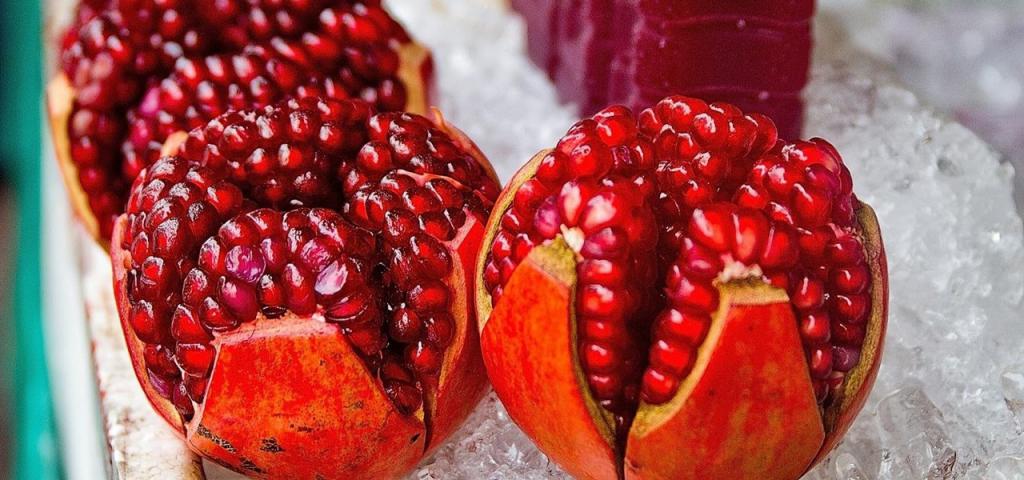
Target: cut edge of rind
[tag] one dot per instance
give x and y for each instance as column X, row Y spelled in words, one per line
column 60, row 102
column 857, row 385
column 484, row 306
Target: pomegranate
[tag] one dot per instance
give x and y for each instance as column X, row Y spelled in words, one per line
column 682, row 280
column 293, row 287
column 134, row 72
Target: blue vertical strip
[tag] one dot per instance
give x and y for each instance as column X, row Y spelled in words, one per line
column 35, row 447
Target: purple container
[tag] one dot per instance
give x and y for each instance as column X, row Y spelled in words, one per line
column 754, row 54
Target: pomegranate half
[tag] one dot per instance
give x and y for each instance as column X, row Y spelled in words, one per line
column 680, row 294
column 135, row 72
column 293, row 286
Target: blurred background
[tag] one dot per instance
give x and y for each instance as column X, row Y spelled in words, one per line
column 27, row 445
column 964, row 57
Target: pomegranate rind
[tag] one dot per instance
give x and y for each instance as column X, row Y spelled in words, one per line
column 484, row 305
column 60, row 101
column 290, row 398
column 463, row 380
column 850, row 399
column 120, row 260
column 746, row 410
column 463, row 141
column 416, row 72
column 529, row 349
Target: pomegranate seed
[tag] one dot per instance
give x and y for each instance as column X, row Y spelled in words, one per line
column 672, row 359
column 423, row 357
column 808, row 294
column 194, row 358
column 658, row 387
column 815, row 328
column 186, row 328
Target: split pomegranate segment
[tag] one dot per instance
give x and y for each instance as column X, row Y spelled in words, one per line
column 658, row 213
column 142, row 70
column 310, row 211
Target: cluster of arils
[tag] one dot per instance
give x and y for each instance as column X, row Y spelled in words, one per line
column 141, row 70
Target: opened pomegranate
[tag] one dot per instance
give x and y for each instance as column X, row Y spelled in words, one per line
column 681, row 294
column 293, row 287
column 133, row 72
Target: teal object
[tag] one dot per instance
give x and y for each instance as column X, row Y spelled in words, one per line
column 36, row 454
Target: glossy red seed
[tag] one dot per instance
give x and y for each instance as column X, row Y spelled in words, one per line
column 815, row 327
column 672, row 358
column 428, row 296
column 847, row 334
column 845, row 250
column 186, row 328
column 600, row 301
column 194, row 358
column 694, row 294
column 405, row 325
column 406, row 396
column 808, row 294
column 713, row 227
column 751, row 229
column 240, row 299
column 439, row 329
column 820, row 362
column 147, row 323
column 844, row 358
column 160, row 361
column 849, row 280
column 598, row 358
column 352, row 309
column 423, row 357
column 658, row 387
column 852, row 308
column 780, row 249
column 683, row 325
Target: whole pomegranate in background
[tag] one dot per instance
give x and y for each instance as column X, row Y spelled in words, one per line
column 680, row 294
column 294, row 287
column 133, row 72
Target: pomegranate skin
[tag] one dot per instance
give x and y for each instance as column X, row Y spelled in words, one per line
column 547, row 385
column 749, row 404
column 755, row 55
column 753, row 392
column 858, row 385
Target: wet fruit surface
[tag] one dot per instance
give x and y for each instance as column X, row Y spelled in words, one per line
column 142, row 70
column 658, row 212
column 311, row 211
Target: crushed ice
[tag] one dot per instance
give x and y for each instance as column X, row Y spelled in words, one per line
column 948, row 402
